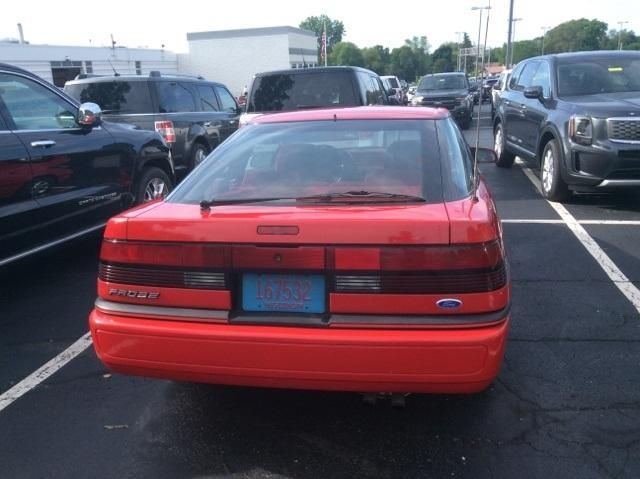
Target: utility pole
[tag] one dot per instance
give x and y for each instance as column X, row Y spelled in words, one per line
column 513, row 42
column 544, row 33
column 620, row 34
column 507, row 55
column 479, row 36
column 459, row 48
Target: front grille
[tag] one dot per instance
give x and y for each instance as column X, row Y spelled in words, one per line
column 446, row 102
column 168, row 278
column 449, row 282
column 624, row 130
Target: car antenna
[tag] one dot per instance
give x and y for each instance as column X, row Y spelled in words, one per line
column 115, row 73
column 476, row 179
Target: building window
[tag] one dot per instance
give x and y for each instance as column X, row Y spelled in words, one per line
column 138, row 68
column 88, row 66
column 293, row 65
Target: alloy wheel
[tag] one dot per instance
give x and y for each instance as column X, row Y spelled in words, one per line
column 497, row 147
column 199, row 156
column 155, row 188
column 547, row 170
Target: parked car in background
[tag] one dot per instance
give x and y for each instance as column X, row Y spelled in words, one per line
column 474, row 88
column 327, row 249
column 487, row 87
column 63, row 171
column 392, row 81
column 193, row 115
column 497, row 90
column 578, row 116
column 447, row 90
column 307, row 88
column 411, row 92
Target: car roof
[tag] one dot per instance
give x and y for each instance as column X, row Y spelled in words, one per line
column 302, row 71
column 445, row 74
column 356, row 113
column 8, row 67
column 165, row 77
column 589, row 54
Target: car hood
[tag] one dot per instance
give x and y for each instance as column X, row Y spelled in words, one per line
column 441, row 93
column 605, row 105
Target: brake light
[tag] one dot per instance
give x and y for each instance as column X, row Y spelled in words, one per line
column 194, row 255
column 165, row 128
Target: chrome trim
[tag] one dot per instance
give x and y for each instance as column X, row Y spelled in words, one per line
column 203, row 315
column 618, row 183
column 625, row 142
column 51, row 244
column 43, row 143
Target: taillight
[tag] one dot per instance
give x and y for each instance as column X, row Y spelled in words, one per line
column 165, row 128
column 193, row 255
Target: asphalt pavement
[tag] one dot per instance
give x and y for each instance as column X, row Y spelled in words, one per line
column 565, row 405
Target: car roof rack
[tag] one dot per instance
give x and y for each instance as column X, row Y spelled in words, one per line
column 156, row 73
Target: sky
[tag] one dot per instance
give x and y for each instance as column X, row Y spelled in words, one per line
column 153, row 24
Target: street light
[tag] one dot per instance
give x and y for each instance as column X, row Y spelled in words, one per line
column 459, row 47
column 620, row 34
column 513, row 41
column 479, row 33
column 544, row 32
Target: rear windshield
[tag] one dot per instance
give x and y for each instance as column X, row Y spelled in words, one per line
column 444, row 82
column 114, row 97
column 598, row 75
column 320, row 157
column 393, row 83
column 291, row 91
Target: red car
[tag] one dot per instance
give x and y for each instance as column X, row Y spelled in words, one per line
column 323, row 249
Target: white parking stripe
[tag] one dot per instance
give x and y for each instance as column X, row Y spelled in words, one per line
column 615, row 274
column 582, row 222
column 45, row 371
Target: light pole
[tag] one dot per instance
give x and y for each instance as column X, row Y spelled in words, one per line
column 513, row 41
column 459, row 47
column 479, row 34
column 507, row 55
column 544, row 32
column 620, row 34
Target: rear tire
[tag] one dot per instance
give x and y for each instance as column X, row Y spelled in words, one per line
column 154, row 183
column 465, row 123
column 552, row 185
column 505, row 158
column 198, row 153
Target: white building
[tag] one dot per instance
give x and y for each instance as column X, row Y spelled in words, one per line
column 58, row 64
column 233, row 57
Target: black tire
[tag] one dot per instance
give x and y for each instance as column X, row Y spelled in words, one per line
column 505, row 158
column 150, row 187
column 552, row 185
column 198, row 153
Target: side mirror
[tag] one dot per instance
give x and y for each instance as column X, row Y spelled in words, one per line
column 89, row 114
column 485, row 155
column 534, row 92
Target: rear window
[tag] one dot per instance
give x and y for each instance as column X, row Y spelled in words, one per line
column 291, row 91
column 115, row 96
column 393, row 82
column 320, row 157
column 590, row 76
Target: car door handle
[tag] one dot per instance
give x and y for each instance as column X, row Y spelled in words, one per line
column 43, row 143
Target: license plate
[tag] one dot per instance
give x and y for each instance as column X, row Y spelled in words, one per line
column 293, row 293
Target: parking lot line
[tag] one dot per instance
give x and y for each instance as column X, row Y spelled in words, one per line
column 610, row 268
column 582, row 222
column 44, row 371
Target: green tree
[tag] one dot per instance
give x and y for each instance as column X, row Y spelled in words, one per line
column 444, row 59
column 335, row 30
column 346, row 53
column 628, row 38
column 377, row 59
column 526, row 49
column 406, row 63
column 575, row 36
column 466, row 41
column 418, row 44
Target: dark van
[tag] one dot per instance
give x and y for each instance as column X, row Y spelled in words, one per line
column 305, row 88
column 192, row 114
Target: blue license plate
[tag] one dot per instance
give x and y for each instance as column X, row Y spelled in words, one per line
column 292, row 293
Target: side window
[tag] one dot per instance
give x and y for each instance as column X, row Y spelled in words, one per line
column 227, row 102
column 513, row 81
column 542, row 78
column 524, row 80
column 32, row 106
column 208, row 101
column 459, row 161
column 377, row 97
column 175, row 97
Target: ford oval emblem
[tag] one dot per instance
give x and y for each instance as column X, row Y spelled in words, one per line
column 449, row 303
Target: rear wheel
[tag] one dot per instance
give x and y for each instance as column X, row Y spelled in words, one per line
column 554, row 187
column 505, row 158
column 465, row 123
column 154, row 183
column 198, row 153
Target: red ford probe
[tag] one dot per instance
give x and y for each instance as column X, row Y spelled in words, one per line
column 326, row 249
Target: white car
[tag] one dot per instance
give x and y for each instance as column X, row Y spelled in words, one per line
column 391, row 81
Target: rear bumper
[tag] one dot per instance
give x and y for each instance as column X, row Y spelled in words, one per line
column 362, row 360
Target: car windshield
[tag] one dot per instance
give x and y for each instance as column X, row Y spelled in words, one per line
column 293, row 91
column 301, row 159
column 591, row 76
column 444, row 82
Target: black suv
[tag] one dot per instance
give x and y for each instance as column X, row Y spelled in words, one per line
column 193, row 115
column 322, row 87
column 64, row 172
column 450, row 91
column 578, row 116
